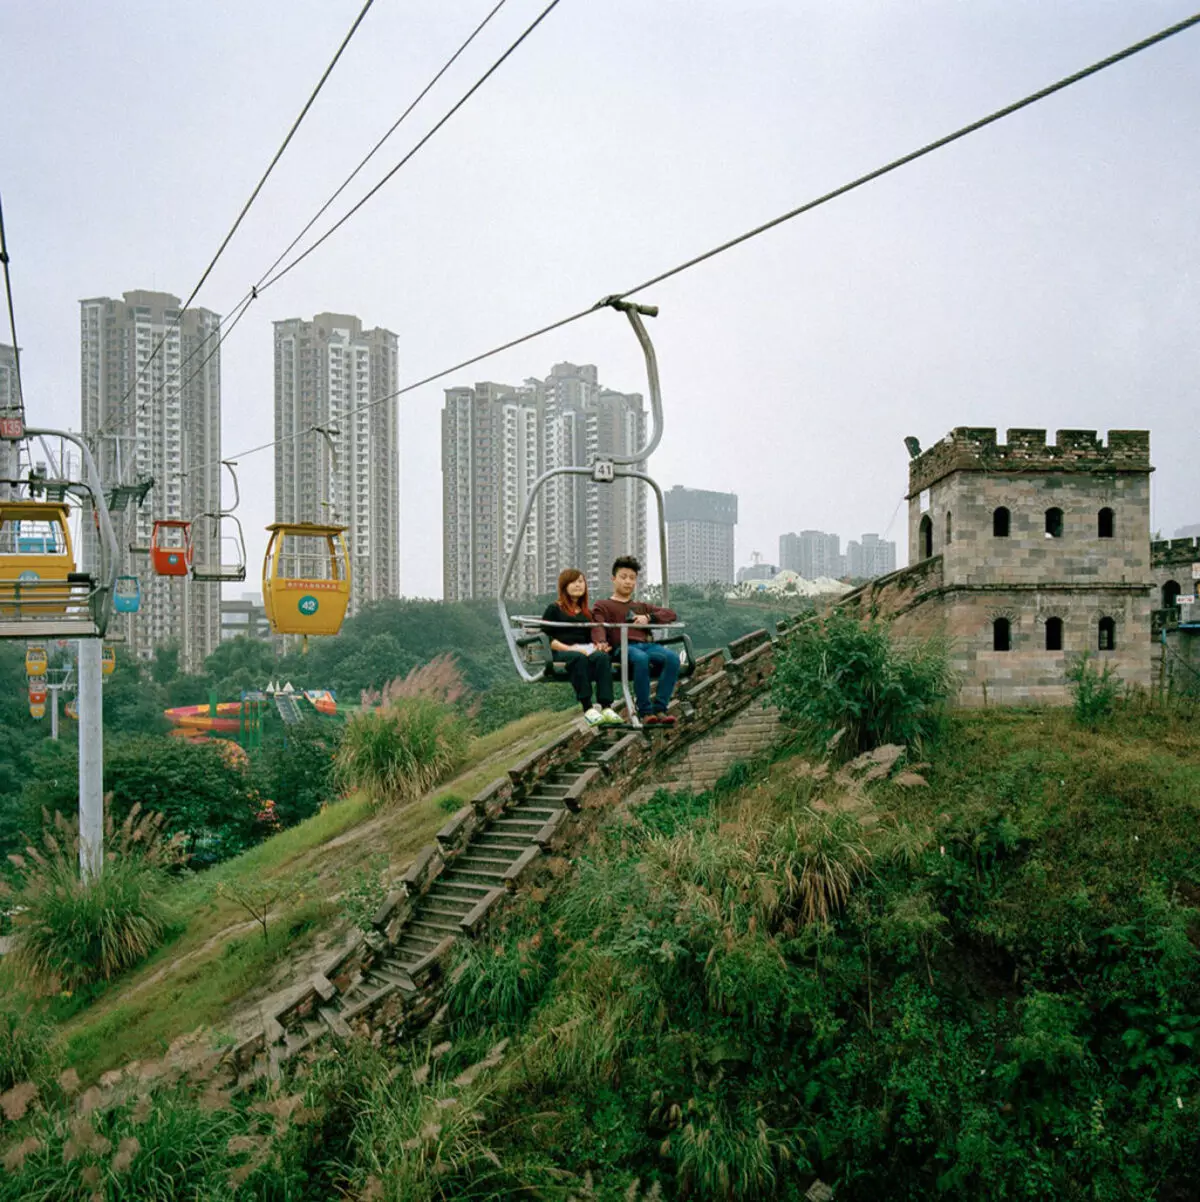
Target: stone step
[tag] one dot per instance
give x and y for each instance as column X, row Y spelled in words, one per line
column 444, row 909
column 335, row 1023
column 409, row 951
column 516, row 843
column 446, row 891
column 433, row 930
column 476, row 876
column 303, row 1034
column 391, row 971
column 536, row 806
column 517, row 826
column 427, row 941
column 487, row 858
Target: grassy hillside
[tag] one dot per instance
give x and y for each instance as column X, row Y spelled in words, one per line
column 975, row 979
column 218, row 963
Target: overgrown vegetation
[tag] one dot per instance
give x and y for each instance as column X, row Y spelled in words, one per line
column 844, row 683
column 71, row 932
column 973, row 978
column 1094, row 692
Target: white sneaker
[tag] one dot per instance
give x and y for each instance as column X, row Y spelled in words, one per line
column 610, row 717
column 593, row 717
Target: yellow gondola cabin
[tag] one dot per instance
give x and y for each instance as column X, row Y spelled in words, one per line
column 36, row 661
column 36, row 559
column 306, row 578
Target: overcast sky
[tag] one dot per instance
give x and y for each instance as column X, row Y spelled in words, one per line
column 1040, row 273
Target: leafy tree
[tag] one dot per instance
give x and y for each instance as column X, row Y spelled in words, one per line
column 296, row 769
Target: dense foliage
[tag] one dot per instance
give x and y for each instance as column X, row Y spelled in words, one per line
column 70, row 933
column 845, row 683
column 973, row 979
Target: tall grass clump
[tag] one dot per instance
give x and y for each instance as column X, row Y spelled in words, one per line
column 399, row 752
column 71, row 933
column 26, row 1038
column 1093, row 692
column 846, row 684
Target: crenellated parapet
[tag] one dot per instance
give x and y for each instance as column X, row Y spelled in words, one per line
column 977, row 449
column 1166, row 552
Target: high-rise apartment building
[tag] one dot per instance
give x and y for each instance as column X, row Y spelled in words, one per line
column 333, row 374
column 490, row 457
column 700, row 535
column 496, row 440
column 585, row 525
column 811, row 554
column 154, row 413
column 872, row 556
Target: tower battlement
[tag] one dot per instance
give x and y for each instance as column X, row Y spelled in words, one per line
column 976, row 449
column 1165, row 551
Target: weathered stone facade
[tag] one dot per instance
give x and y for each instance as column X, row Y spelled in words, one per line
column 1175, row 570
column 1024, row 554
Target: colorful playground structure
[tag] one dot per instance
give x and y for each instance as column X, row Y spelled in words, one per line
column 244, row 719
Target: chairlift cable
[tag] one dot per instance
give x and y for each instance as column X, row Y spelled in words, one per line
column 808, row 206
column 252, row 295
column 444, row 119
column 12, row 318
column 246, row 207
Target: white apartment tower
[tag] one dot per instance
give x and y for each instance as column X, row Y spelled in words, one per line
column 157, row 416
column 496, row 440
column 490, row 458
column 332, row 374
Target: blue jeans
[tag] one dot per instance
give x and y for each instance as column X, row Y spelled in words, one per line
column 641, row 657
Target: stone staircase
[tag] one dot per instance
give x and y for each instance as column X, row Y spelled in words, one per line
column 414, row 931
column 390, row 978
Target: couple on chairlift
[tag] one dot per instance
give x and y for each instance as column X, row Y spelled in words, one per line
column 587, row 654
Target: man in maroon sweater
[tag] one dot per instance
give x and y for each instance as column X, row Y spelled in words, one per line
column 643, row 651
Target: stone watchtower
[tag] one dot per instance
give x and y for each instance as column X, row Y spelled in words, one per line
column 1025, row 553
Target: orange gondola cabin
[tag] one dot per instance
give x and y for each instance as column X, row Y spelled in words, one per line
column 171, row 547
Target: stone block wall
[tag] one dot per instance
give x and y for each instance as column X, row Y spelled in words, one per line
column 749, row 733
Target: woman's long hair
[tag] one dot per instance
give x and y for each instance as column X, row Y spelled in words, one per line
column 568, row 604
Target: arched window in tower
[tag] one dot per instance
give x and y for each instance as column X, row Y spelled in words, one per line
column 1170, row 594
column 1000, row 522
column 1054, row 631
column 1001, row 635
column 925, row 538
column 949, row 527
column 1106, row 523
column 1108, row 634
column 1054, row 522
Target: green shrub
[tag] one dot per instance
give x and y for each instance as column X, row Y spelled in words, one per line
column 1095, row 693
column 845, row 684
column 399, row 752
column 70, row 933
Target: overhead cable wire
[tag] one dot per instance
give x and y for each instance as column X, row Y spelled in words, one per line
column 251, row 296
column 12, row 317
column 278, row 275
column 246, row 207
column 808, row 206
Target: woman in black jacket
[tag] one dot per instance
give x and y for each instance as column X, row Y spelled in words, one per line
column 586, row 663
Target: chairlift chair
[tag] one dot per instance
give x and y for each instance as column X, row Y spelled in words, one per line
column 230, row 565
column 306, row 578
column 528, row 641
column 171, row 547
